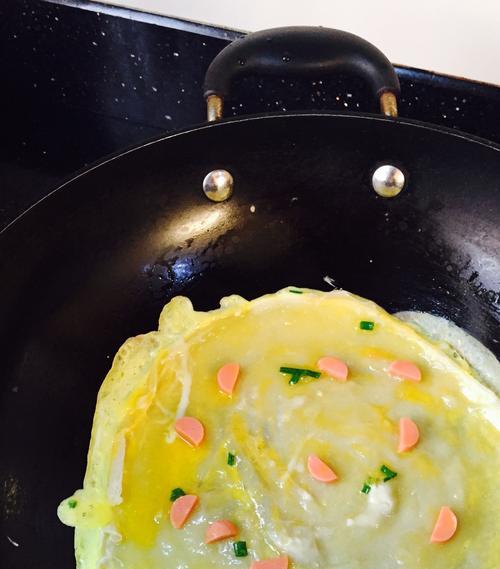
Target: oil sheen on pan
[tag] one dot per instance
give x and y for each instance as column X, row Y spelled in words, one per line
column 302, row 429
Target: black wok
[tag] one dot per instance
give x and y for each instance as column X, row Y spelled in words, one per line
column 95, row 261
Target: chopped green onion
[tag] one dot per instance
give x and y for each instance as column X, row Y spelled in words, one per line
column 298, row 373
column 240, row 548
column 231, row 459
column 302, row 371
column 366, row 488
column 176, row 493
column 387, row 472
column 72, row 504
column 295, row 291
column 366, row 325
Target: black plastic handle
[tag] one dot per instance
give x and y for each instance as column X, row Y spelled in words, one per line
column 301, row 50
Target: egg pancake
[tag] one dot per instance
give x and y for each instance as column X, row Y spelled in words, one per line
column 302, row 429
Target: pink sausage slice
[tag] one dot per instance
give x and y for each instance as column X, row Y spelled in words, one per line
column 181, row 509
column 405, row 370
column 445, row 527
column 221, row 529
column 227, row 376
column 276, row 563
column 190, row 430
column 319, row 469
column 334, row 367
column 408, row 434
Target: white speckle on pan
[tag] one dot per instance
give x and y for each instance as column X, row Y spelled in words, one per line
column 94, row 43
column 123, row 84
column 103, row 34
column 132, row 55
column 168, row 117
column 14, row 543
column 252, row 208
column 330, row 281
column 176, row 54
column 155, row 89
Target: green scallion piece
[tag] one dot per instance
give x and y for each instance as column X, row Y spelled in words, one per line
column 72, row 504
column 298, row 373
column 366, row 488
column 176, row 493
column 231, row 459
column 295, row 291
column 302, row 371
column 240, row 548
column 388, row 473
column 366, row 325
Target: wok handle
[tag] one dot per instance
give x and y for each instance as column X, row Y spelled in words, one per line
column 298, row 51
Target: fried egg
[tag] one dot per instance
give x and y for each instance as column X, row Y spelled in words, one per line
column 302, row 429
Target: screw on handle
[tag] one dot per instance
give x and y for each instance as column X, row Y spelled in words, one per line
column 301, row 51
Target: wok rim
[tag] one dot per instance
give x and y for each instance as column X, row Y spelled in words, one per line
column 123, row 152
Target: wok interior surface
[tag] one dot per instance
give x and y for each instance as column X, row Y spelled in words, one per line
column 95, row 262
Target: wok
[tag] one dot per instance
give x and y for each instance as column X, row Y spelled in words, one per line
column 94, row 262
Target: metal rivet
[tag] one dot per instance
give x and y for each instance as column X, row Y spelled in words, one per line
column 218, row 185
column 388, row 181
